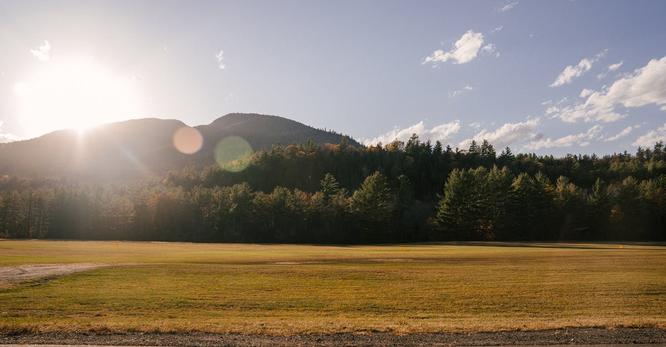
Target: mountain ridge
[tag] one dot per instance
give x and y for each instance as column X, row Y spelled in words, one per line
column 143, row 147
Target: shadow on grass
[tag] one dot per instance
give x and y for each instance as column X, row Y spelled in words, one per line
column 554, row 244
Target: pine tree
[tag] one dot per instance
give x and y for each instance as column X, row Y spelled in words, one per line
column 598, row 208
column 474, row 148
column 458, row 209
column 531, row 208
column 506, row 157
column 373, row 204
column 329, row 186
column 570, row 202
column 628, row 210
column 494, row 203
column 487, row 152
column 437, row 149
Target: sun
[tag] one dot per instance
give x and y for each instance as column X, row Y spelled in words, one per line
column 76, row 93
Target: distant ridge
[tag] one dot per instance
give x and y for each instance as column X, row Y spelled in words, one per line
column 142, row 148
column 263, row 131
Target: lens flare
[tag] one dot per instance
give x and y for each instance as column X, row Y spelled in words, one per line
column 233, row 153
column 187, row 140
column 74, row 93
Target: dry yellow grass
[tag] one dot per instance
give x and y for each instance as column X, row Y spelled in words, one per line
column 282, row 289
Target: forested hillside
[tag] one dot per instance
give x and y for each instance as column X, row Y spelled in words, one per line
column 143, row 148
column 401, row 192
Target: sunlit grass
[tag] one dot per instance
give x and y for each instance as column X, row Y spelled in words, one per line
column 299, row 288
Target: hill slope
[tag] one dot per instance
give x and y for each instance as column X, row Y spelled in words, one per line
column 143, row 147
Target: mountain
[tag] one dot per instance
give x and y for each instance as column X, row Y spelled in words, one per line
column 263, row 131
column 143, row 148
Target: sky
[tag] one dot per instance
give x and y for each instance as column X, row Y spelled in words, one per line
column 550, row 77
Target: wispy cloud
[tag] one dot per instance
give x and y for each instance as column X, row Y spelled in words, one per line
column 497, row 29
column 645, row 86
column 509, row 6
column 586, row 92
column 580, row 139
column 42, row 52
column 490, row 49
column 652, row 137
column 626, row 131
column 611, row 68
column 457, row 92
column 442, row 132
column 507, row 134
column 220, row 59
column 463, row 51
column 573, row 71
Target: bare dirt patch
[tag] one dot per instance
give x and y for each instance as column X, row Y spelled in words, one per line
column 572, row 336
column 12, row 275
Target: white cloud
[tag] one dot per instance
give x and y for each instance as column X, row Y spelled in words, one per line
column 497, row 29
column 586, row 92
column 457, row 92
column 475, row 125
column 509, row 6
column 652, row 137
column 585, row 112
column 490, row 49
column 645, row 86
column 613, row 67
column 505, row 135
column 43, row 52
column 442, row 132
column 397, row 134
column 220, row 59
column 626, row 131
column 581, row 139
column 572, row 71
column 463, row 51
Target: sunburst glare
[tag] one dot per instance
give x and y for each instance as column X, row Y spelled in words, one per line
column 75, row 93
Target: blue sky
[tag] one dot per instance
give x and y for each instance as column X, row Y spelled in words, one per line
column 539, row 76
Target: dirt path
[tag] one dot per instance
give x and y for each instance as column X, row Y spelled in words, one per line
column 577, row 336
column 17, row 274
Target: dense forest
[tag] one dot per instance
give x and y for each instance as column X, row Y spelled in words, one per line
column 400, row 192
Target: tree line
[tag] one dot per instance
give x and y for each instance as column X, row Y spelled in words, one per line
column 401, row 192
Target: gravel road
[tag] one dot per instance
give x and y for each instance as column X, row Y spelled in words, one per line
column 576, row 336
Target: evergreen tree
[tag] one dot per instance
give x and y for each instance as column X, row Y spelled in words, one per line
column 531, row 208
column 487, row 153
column 459, row 207
column 494, row 204
column 570, row 201
column 329, row 186
column 627, row 215
column 597, row 211
column 373, row 205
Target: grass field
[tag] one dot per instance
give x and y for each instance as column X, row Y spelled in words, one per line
column 284, row 289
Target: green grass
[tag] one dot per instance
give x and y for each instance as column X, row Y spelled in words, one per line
column 281, row 289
